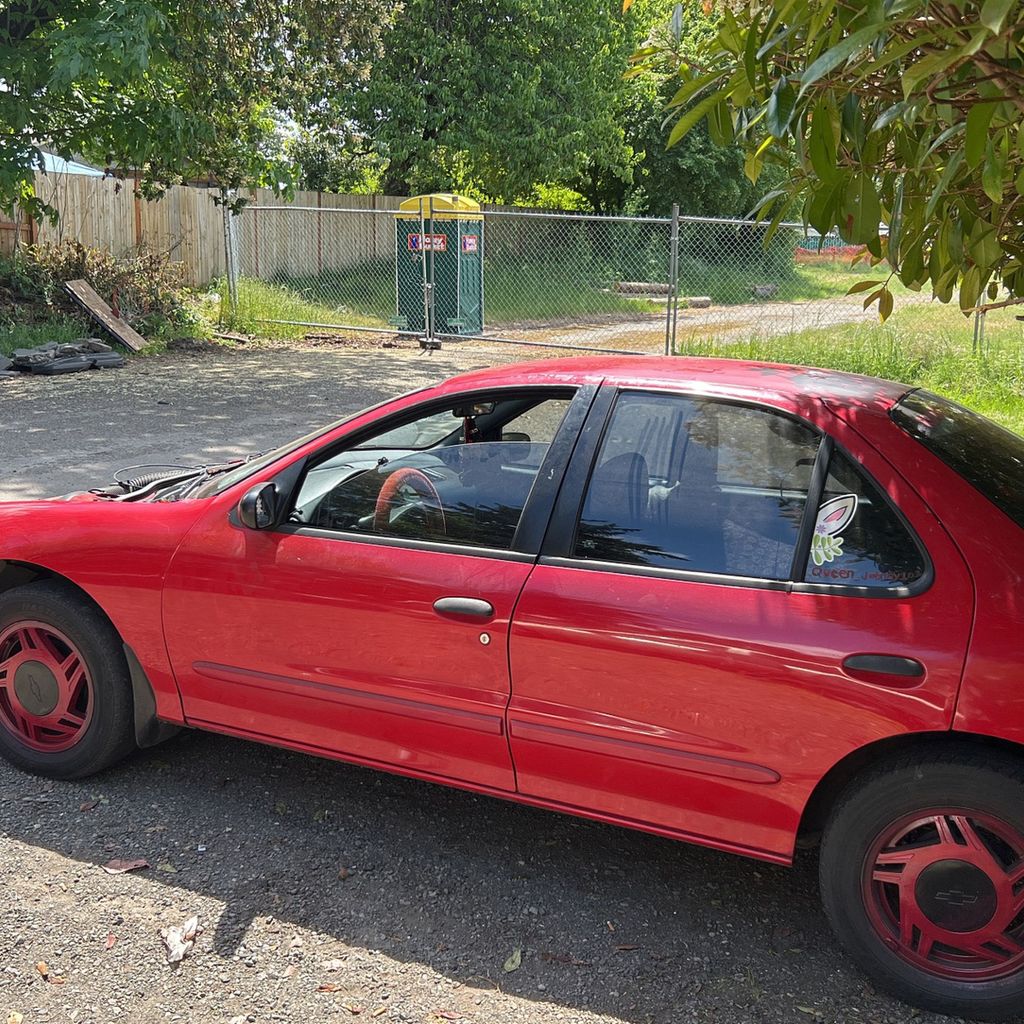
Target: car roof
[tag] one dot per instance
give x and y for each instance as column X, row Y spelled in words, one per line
column 738, row 377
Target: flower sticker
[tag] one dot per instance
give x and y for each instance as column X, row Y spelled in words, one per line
column 834, row 516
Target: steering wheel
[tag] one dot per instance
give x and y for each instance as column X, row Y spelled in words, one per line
column 421, row 484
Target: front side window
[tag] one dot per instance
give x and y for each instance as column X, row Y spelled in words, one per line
column 859, row 540
column 699, row 485
column 460, row 474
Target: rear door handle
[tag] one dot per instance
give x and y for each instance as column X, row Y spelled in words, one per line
column 904, row 670
column 463, row 608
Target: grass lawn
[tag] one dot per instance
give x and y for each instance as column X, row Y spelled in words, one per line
column 924, row 345
column 364, row 295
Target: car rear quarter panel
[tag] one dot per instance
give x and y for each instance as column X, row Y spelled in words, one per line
column 991, row 699
column 115, row 552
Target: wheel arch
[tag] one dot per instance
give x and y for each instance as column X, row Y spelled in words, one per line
column 149, row 730
column 836, row 780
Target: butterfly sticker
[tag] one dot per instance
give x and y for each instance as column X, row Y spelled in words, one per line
column 833, row 517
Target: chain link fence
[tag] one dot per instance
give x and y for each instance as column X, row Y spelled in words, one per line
column 550, row 280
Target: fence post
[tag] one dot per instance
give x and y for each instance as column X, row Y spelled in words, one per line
column 672, row 304
column 230, row 255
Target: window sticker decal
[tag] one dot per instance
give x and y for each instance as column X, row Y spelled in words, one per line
column 833, row 517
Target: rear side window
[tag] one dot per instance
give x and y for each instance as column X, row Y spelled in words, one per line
column 703, row 486
column 859, row 539
column 988, row 457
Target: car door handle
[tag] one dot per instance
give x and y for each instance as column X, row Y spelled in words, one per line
column 906, row 670
column 463, row 608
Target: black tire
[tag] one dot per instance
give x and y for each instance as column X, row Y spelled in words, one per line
column 109, row 734
column 858, row 846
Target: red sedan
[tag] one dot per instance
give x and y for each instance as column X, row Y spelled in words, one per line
column 742, row 605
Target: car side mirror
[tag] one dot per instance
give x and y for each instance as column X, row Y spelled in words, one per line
column 260, row 507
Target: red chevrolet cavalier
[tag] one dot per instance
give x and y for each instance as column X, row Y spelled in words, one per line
column 737, row 604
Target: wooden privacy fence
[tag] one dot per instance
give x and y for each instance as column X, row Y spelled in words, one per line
column 188, row 225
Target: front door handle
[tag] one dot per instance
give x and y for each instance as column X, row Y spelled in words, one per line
column 463, row 608
column 905, row 671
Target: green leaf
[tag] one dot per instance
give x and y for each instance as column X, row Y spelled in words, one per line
column 692, row 117
column 836, row 55
column 983, row 246
column 514, row 961
column 861, row 210
column 943, row 183
column 970, row 289
column 821, row 145
column 780, row 109
column 862, row 286
column 885, row 304
column 690, row 89
column 993, row 14
column 992, row 174
column 979, row 117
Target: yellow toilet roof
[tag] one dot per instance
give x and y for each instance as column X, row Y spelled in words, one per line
column 445, row 206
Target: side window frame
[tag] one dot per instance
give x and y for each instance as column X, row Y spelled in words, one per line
column 536, row 511
column 560, row 540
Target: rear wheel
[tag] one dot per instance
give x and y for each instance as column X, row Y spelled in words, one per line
column 65, row 691
column 922, row 878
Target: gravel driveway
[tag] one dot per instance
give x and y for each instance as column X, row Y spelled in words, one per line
column 327, row 892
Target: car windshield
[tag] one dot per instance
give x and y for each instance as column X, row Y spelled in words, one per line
column 222, row 481
column 988, row 457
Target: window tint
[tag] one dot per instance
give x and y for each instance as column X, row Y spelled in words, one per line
column 441, row 477
column 859, row 540
column 699, row 485
column 988, row 457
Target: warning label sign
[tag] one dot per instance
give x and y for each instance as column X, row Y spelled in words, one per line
column 470, row 243
column 431, row 243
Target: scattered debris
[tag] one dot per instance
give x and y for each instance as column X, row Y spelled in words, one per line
column 344, row 872
column 111, row 941
column 90, row 805
column 82, row 292
column 328, row 986
column 514, row 962
column 180, row 940
column 118, row 866
column 167, row 867
column 626, row 948
column 43, row 968
column 66, row 357
column 15, row 1018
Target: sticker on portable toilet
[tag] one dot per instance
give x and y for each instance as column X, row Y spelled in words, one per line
column 470, row 243
column 434, row 243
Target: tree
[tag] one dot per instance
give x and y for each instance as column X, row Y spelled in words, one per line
column 493, row 96
column 906, row 113
column 702, row 176
column 171, row 88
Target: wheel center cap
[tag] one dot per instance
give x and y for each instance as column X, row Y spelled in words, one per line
column 36, row 688
column 956, row 896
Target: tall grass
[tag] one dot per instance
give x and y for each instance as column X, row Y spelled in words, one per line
column 59, row 329
column 927, row 346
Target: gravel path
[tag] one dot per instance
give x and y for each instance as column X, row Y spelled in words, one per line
column 329, row 893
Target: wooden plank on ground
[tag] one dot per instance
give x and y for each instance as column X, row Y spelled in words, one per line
column 83, row 293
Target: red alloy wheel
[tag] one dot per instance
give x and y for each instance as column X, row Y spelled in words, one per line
column 945, row 891
column 46, row 693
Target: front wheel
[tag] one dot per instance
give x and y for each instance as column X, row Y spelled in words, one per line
column 65, row 692
column 922, row 878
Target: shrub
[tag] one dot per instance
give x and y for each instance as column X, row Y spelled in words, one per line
column 145, row 287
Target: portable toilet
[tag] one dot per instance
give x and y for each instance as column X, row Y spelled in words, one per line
column 439, row 240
